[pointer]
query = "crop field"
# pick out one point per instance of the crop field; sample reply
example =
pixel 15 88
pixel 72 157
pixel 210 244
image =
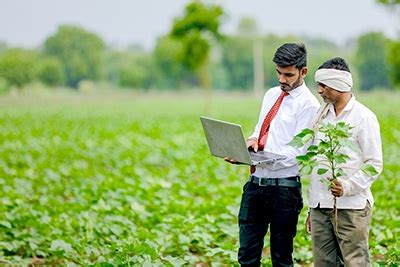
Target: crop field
pixel 127 179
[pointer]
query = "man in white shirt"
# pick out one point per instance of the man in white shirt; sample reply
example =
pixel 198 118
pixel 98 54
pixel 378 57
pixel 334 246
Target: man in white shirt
pixel 346 245
pixel 272 196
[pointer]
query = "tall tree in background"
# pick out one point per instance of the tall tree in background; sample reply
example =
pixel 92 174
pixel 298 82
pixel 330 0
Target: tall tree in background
pixel 371 61
pixel 80 53
pixel 198 27
pixel 393 54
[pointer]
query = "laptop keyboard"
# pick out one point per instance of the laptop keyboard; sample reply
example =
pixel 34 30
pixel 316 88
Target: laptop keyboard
pixel 263 155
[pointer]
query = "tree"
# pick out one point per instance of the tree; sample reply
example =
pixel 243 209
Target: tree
pixel 50 72
pixel 168 57
pixel 196 30
pixel 80 53
pixel 237 58
pixel 371 61
pixel 17 66
pixel 137 72
pixel 394 62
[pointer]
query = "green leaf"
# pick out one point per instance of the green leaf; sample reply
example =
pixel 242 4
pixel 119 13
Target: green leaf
pixel 340 158
pixel 296 142
pixel 324 145
pixel 59 244
pixel 5 224
pixel 339 173
pixel 321 171
pixel 312 148
pixel 369 170
pixel 307 138
pixel 306 169
pixel 302 158
pixel 302 138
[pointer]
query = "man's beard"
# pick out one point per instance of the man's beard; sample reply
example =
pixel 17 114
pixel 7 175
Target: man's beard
pixel 286 87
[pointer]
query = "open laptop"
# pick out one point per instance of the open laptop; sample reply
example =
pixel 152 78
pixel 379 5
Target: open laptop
pixel 226 139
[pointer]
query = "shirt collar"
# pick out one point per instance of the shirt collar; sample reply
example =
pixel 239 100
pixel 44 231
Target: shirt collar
pixel 350 104
pixel 298 90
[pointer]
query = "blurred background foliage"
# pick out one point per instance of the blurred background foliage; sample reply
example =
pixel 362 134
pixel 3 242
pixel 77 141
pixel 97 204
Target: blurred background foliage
pixel 193 54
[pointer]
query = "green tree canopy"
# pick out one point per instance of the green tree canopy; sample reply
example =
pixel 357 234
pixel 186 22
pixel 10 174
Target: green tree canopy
pixel 237 58
pixel 17 66
pixel 389 2
pixel 195 30
pixel 137 72
pixel 168 57
pixel 370 59
pixel 50 72
pixel 80 53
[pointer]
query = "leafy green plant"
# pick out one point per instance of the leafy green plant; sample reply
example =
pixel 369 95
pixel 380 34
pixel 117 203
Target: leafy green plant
pixel 326 155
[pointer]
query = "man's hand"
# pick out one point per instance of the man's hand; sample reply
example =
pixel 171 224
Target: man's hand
pixel 252 143
pixel 231 160
pixel 308 224
pixel 337 188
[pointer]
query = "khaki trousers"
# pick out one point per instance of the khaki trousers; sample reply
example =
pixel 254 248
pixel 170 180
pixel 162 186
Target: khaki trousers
pixel 348 246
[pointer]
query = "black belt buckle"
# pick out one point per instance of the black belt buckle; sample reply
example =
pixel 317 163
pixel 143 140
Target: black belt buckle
pixel 259 182
pixel 289 181
pixel 267 181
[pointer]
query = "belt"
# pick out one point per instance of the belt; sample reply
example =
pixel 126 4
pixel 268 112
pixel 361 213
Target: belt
pixel 293 181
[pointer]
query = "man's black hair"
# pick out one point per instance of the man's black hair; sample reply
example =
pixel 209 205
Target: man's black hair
pixel 337 63
pixel 291 54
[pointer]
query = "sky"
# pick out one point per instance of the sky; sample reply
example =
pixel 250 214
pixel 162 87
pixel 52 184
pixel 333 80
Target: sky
pixel 120 23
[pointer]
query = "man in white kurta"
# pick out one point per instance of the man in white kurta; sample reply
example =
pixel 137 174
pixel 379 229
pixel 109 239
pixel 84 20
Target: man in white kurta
pixel 348 245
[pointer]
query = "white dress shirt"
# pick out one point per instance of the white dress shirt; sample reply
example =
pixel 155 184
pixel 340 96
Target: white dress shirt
pixel 296 112
pixel 356 184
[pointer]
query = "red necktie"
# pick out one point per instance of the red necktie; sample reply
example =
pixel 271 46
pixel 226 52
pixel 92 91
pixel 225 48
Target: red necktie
pixel 262 139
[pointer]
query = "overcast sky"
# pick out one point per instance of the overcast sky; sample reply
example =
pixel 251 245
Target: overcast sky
pixel 122 22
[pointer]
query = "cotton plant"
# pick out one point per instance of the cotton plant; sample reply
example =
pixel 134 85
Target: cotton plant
pixel 324 156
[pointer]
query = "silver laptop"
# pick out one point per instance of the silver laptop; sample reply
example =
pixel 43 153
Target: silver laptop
pixel 226 139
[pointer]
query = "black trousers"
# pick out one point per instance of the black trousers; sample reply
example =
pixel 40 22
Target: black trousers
pixel 275 206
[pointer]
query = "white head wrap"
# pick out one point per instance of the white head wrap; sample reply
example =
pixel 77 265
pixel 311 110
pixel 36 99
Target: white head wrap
pixel 336 79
